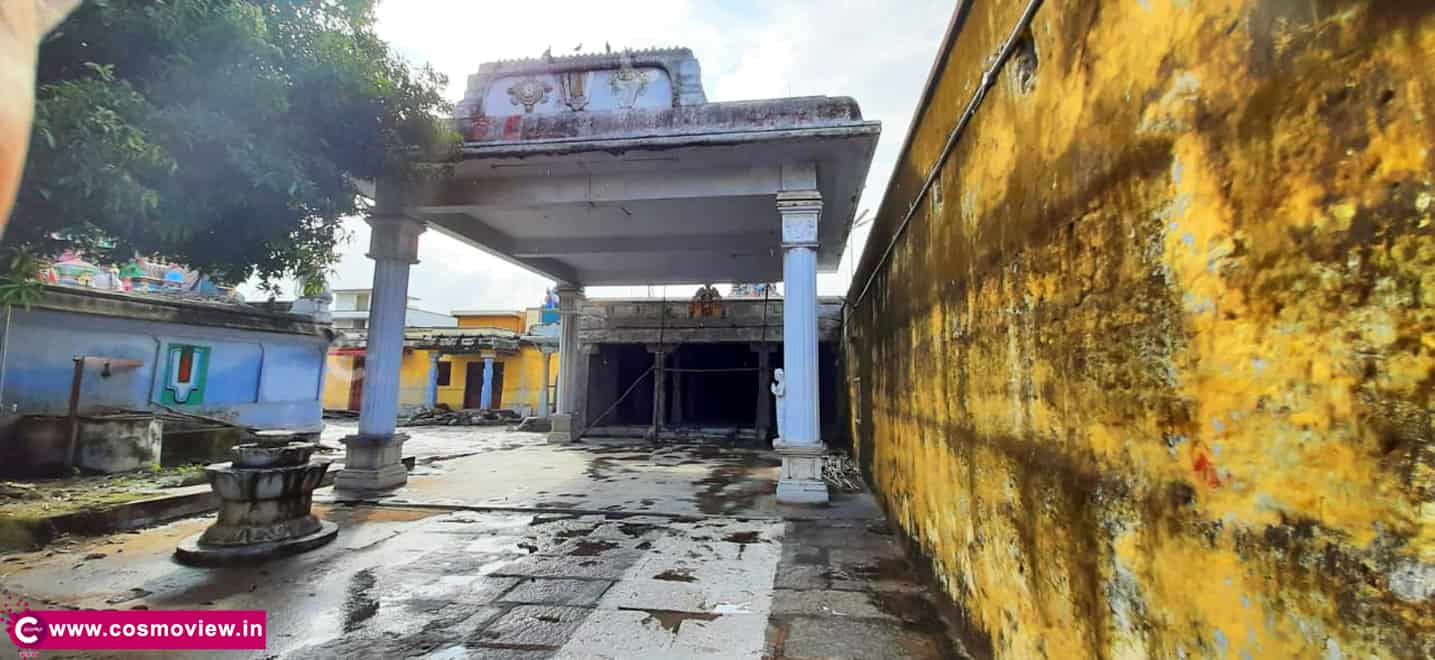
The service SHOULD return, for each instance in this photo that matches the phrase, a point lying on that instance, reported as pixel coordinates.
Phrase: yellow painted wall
(1149, 374)
(413, 379)
(522, 378)
(338, 373)
(503, 321)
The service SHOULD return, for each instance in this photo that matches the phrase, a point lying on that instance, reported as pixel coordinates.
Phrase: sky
(876, 51)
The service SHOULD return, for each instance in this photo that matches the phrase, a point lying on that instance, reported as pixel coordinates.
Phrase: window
(361, 302)
(445, 371)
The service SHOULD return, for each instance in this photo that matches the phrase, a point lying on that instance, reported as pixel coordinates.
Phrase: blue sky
(876, 51)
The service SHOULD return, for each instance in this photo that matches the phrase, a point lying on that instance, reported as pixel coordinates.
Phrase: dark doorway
(721, 390)
(473, 385)
(356, 384)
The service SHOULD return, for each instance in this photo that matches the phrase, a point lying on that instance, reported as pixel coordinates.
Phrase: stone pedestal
(264, 511)
(800, 481)
(372, 464)
(562, 431)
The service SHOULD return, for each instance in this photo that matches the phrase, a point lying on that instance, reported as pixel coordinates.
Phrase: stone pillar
(660, 390)
(675, 416)
(565, 426)
(431, 397)
(372, 456)
(801, 448)
(485, 396)
(763, 421)
(543, 410)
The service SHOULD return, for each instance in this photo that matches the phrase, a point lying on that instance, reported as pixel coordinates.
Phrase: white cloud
(878, 52)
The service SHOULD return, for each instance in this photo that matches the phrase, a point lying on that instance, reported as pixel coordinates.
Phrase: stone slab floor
(615, 549)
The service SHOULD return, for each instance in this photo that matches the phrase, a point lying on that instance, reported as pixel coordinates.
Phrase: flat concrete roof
(673, 195)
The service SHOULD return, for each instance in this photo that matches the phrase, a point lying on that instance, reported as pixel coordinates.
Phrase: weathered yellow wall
(338, 373)
(522, 378)
(1149, 374)
(503, 321)
(413, 379)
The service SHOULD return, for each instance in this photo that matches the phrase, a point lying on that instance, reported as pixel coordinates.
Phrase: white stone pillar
(801, 448)
(543, 409)
(564, 425)
(372, 456)
(485, 396)
(431, 397)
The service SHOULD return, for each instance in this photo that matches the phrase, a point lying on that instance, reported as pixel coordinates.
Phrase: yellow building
(446, 366)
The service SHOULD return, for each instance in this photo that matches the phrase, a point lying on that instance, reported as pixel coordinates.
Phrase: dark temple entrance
(715, 393)
(709, 387)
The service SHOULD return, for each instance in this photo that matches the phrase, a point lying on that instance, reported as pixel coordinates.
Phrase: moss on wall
(1149, 373)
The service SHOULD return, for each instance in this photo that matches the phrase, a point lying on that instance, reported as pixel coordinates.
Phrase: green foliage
(19, 284)
(226, 134)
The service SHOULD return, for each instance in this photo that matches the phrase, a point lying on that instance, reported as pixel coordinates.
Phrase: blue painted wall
(260, 379)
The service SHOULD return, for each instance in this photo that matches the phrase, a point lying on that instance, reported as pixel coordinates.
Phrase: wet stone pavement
(411, 578)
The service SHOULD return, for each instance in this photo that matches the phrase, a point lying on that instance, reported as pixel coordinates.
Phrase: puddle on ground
(744, 537)
(914, 610)
(495, 545)
(673, 621)
(883, 569)
(354, 514)
(359, 604)
(591, 548)
(634, 530)
(676, 575)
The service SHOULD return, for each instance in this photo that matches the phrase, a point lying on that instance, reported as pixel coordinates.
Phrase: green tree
(224, 133)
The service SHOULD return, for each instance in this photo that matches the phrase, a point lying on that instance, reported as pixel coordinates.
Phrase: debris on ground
(443, 417)
(330, 413)
(840, 472)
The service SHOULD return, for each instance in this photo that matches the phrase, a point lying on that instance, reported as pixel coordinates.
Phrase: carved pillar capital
(395, 237)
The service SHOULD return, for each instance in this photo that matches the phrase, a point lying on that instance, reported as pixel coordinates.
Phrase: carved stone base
(801, 480)
(191, 551)
(562, 432)
(372, 464)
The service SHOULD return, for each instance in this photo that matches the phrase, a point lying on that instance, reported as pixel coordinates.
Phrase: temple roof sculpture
(643, 93)
(644, 79)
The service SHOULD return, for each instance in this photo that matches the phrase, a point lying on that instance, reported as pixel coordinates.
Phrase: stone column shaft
(485, 396)
(431, 397)
(801, 447)
(543, 410)
(384, 354)
(763, 421)
(660, 390)
(372, 457)
(675, 416)
(566, 422)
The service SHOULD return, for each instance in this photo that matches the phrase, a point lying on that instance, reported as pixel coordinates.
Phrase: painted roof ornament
(529, 92)
(651, 79)
(627, 82)
(573, 89)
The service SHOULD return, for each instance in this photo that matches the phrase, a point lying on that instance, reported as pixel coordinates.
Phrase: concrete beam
(751, 243)
(605, 187)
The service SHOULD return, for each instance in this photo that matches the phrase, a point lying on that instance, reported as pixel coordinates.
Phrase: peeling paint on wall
(1159, 385)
